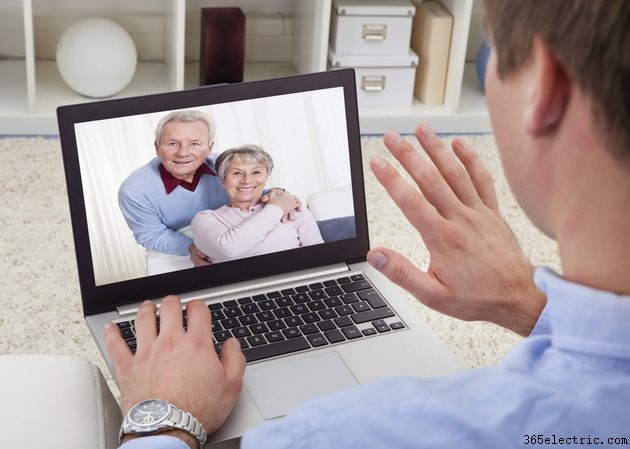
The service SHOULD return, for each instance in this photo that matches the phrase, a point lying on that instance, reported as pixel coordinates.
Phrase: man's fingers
(420, 213)
(233, 362)
(479, 174)
(171, 316)
(453, 172)
(145, 325)
(116, 347)
(199, 320)
(428, 178)
(398, 269)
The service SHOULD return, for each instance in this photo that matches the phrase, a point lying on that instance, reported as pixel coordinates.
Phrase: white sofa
(55, 402)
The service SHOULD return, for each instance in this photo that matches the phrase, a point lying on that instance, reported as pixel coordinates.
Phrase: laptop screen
(131, 216)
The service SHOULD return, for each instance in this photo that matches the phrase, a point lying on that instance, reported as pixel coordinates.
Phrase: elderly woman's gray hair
(248, 153)
(186, 115)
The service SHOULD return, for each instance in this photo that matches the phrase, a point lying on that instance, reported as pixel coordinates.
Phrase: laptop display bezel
(101, 298)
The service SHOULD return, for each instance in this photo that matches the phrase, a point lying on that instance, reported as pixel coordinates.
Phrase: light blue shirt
(567, 384)
(155, 216)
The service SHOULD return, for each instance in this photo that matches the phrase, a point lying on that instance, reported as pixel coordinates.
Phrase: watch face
(149, 412)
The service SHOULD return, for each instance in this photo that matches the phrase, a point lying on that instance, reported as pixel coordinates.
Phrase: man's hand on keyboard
(180, 367)
(477, 270)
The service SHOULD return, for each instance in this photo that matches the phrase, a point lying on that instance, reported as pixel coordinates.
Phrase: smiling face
(183, 147)
(244, 182)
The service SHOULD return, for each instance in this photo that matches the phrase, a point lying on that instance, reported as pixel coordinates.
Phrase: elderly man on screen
(163, 196)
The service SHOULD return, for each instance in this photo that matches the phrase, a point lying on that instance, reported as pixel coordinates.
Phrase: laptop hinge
(243, 288)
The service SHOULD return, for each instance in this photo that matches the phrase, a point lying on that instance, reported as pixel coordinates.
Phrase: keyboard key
(317, 294)
(291, 332)
(246, 300)
(259, 328)
(284, 301)
(215, 306)
(217, 315)
(344, 310)
(344, 280)
(383, 328)
(299, 309)
(316, 305)
(316, 286)
(123, 324)
(357, 277)
(334, 291)
(334, 336)
(330, 283)
(372, 296)
(233, 311)
(371, 315)
(369, 331)
(356, 286)
(276, 325)
(230, 303)
(301, 298)
(250, 308)
(288, 291)
(309, 329)
(246, 320)
(230, 323)
(327, 314)
(272, 295)
(302, 289)
(241, 332)
(310, 317)
(397, 325)
(351, 332)
(261, 297)
(361, 306)
(317, 340)
(282, 312)
(326, 325)
(274, 336)
(221, 336)
(267, 304)
(349, 298)
(126, 333)
(343, 321)
(293, 321)
(265, 316)
(256, 340)
(333, 302)
(276, 349)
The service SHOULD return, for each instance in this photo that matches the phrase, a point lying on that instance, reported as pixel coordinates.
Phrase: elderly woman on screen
(246, 227)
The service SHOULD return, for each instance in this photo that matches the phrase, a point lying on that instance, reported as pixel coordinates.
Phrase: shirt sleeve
(308, 231)
(148, 230)
(543, 325)
(155, 442)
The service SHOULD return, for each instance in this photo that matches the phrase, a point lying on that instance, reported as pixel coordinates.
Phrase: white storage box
(373, 27)
(381, 80)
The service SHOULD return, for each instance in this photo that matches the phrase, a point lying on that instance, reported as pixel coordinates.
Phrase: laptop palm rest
(279, 388)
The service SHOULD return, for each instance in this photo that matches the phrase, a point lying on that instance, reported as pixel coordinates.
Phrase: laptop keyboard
(297, 319)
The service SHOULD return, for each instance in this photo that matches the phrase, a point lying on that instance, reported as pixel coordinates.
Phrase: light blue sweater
(155, 216)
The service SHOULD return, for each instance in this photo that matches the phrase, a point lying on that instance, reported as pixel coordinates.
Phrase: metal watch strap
(182, 420)
(177, 420)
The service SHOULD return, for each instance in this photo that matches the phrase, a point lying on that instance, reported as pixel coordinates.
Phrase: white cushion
(55, 402)
(332, 203)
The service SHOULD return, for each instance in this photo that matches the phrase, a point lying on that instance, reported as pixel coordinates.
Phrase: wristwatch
(157, 415)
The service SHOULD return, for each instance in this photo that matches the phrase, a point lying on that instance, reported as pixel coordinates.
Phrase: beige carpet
(39, 296)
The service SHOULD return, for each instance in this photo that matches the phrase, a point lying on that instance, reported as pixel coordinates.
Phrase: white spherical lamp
(96, 57)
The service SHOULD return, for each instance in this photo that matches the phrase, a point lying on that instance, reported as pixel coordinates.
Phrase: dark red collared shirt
(171, 182)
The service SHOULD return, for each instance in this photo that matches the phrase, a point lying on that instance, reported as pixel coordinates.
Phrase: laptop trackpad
(279, 388)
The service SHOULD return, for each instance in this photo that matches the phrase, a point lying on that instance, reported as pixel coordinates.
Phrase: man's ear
(548, 91)
(156, 145)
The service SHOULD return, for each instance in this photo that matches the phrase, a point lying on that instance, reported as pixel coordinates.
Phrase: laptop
(311, 319)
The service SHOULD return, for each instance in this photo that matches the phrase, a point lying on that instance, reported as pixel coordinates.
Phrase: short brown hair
(589, 38)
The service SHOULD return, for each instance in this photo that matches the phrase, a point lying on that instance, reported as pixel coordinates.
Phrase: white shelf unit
(166, 34)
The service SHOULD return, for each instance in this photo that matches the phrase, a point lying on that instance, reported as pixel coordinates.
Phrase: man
(560, 108)
(164, 195)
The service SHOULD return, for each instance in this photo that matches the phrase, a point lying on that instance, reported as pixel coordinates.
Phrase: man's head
(557, 92)
(589, 38)
(183, 141)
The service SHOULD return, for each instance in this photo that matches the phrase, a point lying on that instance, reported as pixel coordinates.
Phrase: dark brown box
(222, 58)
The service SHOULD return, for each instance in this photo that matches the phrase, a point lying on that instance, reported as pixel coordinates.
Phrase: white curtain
(305, 134)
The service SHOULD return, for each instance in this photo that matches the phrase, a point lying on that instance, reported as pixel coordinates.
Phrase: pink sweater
(229, 233)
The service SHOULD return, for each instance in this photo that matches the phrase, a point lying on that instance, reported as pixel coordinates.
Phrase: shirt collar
(585, 319)
(171, 182)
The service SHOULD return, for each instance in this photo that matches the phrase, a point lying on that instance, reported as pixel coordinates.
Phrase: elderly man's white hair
(186, 115)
